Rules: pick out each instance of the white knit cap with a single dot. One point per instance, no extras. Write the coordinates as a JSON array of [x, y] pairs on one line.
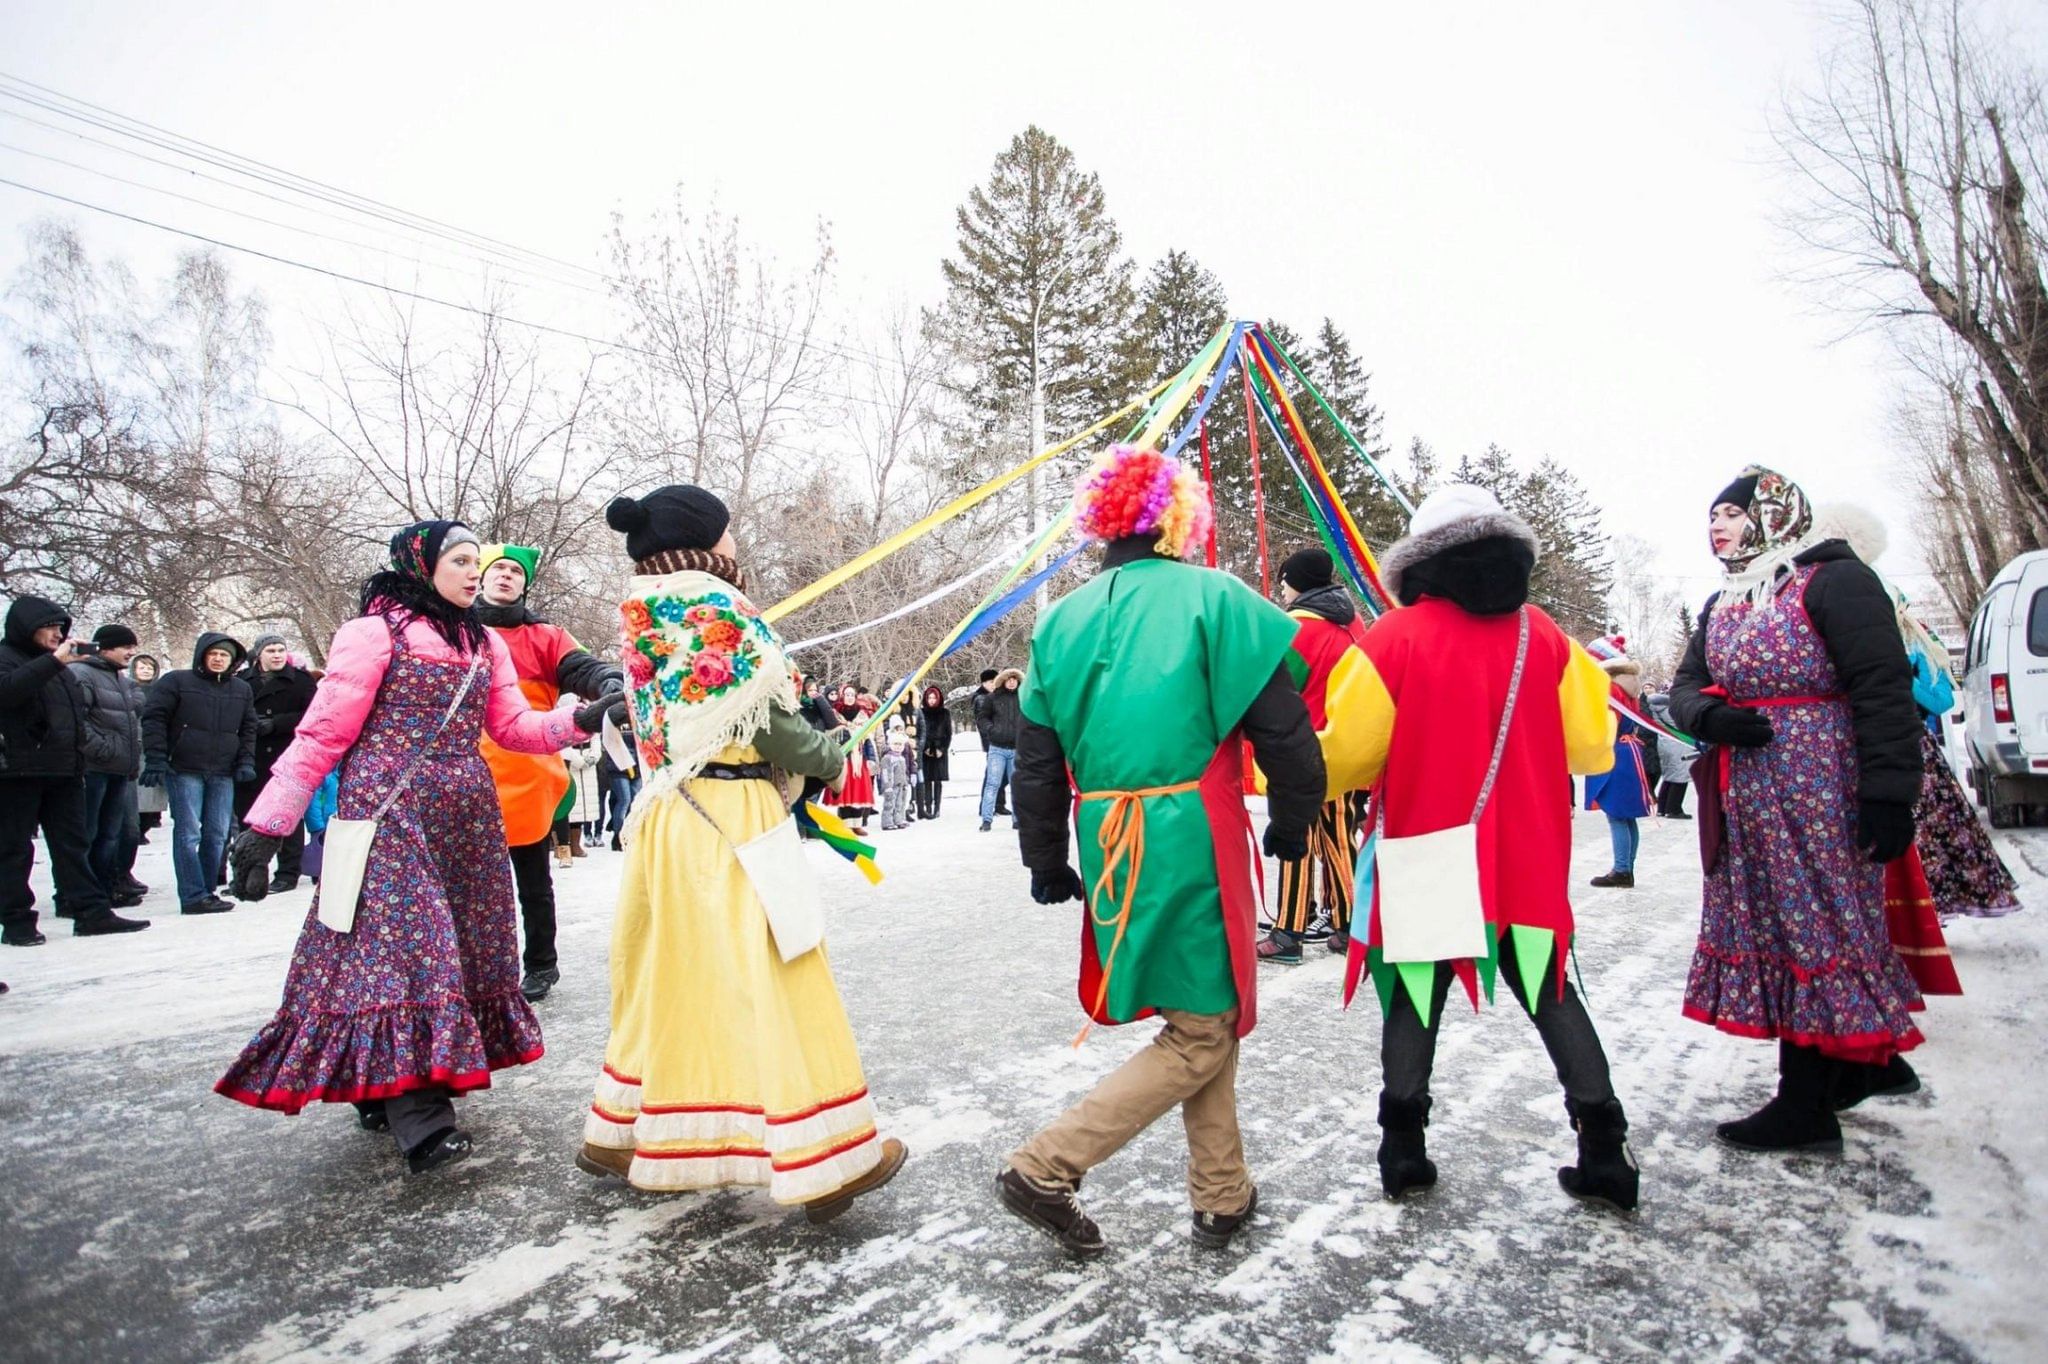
[[1452, 515]]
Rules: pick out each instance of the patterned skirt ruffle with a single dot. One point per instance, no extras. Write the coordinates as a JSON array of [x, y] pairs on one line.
[[1754, 994], [382, 1052], [1963, 869]]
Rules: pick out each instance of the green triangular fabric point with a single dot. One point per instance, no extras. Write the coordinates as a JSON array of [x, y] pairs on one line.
[[1383, 979], [1533, 947], [1420, 978], [1489, 965]]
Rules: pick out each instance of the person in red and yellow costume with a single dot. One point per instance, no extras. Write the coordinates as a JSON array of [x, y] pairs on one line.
[[1144, 683], [1466, 707], [549, 662], [1329, 628]]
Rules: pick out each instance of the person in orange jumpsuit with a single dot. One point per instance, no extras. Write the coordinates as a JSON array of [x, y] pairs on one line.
[[549, 662]]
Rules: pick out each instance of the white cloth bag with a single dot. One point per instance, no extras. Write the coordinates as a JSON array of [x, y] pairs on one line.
[[1430, 909], [781, 877], [345, 854]]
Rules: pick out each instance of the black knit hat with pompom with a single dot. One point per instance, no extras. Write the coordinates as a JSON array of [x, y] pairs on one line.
[[678, 516]]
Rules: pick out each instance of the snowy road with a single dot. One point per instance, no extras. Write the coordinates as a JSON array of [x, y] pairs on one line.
[[142, 1218]]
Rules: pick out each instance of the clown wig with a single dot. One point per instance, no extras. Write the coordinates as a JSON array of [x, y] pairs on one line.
[[1129, 491]]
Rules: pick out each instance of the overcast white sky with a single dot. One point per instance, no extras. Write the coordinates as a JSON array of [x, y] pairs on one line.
[[1546, 225]]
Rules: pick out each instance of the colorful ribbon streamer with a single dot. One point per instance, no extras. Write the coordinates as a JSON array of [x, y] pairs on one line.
[[835, 834]]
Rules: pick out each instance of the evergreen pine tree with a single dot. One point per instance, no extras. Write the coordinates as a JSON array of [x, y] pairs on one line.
[[1344, 383], [1182, 305], [1039, 290]]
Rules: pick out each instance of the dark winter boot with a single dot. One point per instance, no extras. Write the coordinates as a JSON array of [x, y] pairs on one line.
[[281, 883], [1853, 1082], [1054, 1210], [370, 1116], [1615, 880], [1801, 1116], [1404, 1163], [1214, 1229], [1606, 1172], [445, 1147]]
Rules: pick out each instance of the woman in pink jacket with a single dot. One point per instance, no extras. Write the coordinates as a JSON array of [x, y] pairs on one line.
[[420, 1000]]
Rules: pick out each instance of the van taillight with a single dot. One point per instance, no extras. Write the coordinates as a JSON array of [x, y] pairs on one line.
[[2001, 699]]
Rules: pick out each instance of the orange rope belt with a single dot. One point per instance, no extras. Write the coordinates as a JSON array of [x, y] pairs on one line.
[[1122, 839]]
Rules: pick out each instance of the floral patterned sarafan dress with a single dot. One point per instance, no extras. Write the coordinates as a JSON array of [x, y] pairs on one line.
[[424, 990], [1793, 940]]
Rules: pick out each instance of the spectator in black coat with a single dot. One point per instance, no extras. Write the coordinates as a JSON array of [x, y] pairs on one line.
[[281, 691], [43, 744], [113, 761], [996, 716], [199, 739], [935, 759]]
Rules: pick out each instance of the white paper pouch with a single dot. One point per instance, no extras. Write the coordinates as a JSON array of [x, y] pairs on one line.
[[1429, 896], [782, 879], [345, 858]]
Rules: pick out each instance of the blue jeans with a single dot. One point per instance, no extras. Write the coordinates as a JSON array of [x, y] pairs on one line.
[[1002, 762], [113, 829], [624, 788], [201, 810], [1626, 836]]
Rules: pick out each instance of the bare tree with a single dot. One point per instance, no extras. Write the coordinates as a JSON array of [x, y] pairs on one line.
[[1918, 151], [1641, 608], [727, 357]]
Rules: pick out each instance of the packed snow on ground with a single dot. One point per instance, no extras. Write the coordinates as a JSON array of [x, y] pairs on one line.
[[146, 1219]]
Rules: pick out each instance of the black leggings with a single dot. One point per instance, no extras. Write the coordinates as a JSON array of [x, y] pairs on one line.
[[1408, 1049]]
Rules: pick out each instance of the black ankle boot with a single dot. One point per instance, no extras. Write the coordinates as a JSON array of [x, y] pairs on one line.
[[1404, 1163], [1800, 1117], [1606, 1172]]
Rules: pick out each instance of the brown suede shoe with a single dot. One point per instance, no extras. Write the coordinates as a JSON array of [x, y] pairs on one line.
[[606, 1162], [1053, 1210], [822, 1210]]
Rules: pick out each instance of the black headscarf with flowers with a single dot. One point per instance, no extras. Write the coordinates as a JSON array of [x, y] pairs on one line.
[[406, 588]]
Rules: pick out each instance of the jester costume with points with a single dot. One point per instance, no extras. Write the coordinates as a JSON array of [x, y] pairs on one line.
[[1142, 681], [726, 1064], [1420, 714]]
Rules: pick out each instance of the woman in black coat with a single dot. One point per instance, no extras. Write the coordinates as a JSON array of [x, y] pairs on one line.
[[283, 693], [935, 747], [1799, 681]]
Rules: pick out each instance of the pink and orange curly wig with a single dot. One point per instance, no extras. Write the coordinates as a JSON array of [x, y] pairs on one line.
[[1128, 491]]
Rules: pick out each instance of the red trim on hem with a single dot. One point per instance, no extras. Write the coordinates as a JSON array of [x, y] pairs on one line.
[[744, 1152], [826, 1154], [1855, 1046], [753, 1110], [292, 1101], [622, 1079]]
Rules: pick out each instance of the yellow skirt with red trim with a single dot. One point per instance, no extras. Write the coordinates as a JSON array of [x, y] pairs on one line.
[[726, 1064]]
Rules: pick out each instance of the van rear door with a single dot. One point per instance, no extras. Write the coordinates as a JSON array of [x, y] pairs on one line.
[[2027, 663]]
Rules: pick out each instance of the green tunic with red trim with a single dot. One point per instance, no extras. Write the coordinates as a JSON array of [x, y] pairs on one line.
[[1144, 674]]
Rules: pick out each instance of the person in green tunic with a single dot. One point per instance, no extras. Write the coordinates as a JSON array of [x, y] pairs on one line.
[[1142, 682]]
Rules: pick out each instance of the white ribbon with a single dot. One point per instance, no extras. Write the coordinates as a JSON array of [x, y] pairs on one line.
[[1002, 560]]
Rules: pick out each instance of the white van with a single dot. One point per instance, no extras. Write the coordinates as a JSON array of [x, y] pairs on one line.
[[2005, 693]]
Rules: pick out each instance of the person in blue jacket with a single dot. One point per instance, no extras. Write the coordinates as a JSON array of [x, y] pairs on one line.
[[1622, 793]]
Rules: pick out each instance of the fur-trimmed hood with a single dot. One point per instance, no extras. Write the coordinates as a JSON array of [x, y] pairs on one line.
[[1448, 519]]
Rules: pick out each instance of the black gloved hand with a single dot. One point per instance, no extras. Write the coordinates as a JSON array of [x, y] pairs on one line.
[[1285, 846], [590, 718], [266, 725], [1884, 829], [155, 771], [244, 775], [249, 858], [1058, 886], [1735, 726]]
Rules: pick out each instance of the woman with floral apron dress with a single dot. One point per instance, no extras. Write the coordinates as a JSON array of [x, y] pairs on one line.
[[419, 1001]]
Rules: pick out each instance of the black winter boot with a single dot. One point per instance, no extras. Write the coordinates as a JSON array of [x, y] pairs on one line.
[[1606, 1172], [1404, 1163], [1801, 1116]]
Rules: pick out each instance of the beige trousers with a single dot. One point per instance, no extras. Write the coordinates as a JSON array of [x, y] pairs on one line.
[[1192, 1062]]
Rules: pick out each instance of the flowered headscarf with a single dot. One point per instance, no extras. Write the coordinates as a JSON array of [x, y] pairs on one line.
[[406, 590], [1778, 516]]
